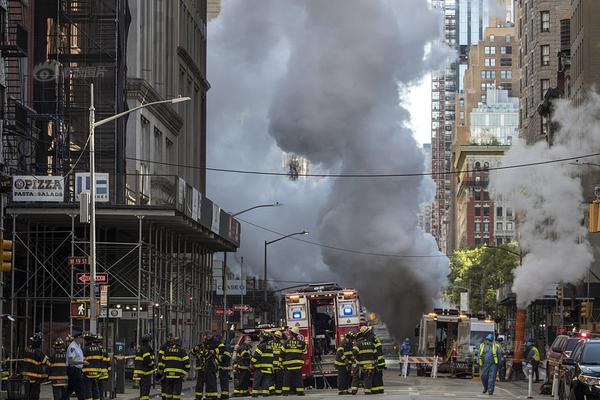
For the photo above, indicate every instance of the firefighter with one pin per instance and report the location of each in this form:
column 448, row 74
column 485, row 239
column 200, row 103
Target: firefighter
column 57, row 373
column 378, row 387
column 365, row 354
column 92, row 354
column 33, row 367
column 262, row 364
column 144, row 366
column 173, row 367
column 211, row 367
column 199, row 352
column 292, row 353
column 223, row 358
column 241, row 367
column 277, row 367
column 344, row 359
column 106, row 367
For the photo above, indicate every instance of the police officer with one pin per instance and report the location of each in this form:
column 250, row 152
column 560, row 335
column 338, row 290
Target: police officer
column 490, row 356
column 262, row 364
column 241, row 367
column 174, row 366
column 57, row 372
column 533, row 358
column 33, row 367
column 344, row 359
column 75, row 363
column 223, row 357
column 365, row 354
column 144, row 366
column 378, row 387
column 292, row 354
column 92, row 354
column 277, row 367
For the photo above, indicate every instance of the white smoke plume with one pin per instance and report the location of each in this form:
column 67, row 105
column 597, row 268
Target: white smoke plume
column 549, row 201
column 325, row 85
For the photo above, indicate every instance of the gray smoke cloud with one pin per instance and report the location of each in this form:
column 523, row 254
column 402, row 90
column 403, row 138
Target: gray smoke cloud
column 326, row 86
column 549, row 202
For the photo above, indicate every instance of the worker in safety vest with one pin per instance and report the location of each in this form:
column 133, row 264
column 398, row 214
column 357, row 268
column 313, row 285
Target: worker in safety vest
column 365, row 354
column 33, row 367
column 344, row 359
column 490, row 356
column 502, row 363
column 144, row 366
column 533, row 358
column 173, row 367
column 292, row 360
column 57, row 372
column 262, row 364
column 241, row 367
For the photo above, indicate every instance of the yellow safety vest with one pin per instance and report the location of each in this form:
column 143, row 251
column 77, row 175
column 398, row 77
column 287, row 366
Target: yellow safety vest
column 536, row 354
column 494, row 353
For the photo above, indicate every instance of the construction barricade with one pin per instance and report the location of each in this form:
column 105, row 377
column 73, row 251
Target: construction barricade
column 433, row 361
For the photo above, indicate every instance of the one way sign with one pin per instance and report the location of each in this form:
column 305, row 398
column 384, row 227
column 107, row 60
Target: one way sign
column 84, row 278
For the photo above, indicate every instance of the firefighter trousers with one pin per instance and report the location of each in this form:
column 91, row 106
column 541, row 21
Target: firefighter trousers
column 145, row 384
column 57, row 392
column 101, row 389
column 263, row 383
column 292, row 382
column 343, row 379
column 242, row 383
column 278, row 378
column 377, row 386
column 32, row 389
column 224, row 383
column 171, row 388
column 364, row 375
column 210, row 385
column 90, row 388
column 200, row 384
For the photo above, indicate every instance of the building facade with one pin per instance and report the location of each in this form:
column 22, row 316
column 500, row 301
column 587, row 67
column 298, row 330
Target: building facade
column 424, row 216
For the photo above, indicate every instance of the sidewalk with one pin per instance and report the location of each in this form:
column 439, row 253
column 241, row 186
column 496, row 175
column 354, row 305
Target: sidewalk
column 131, row 393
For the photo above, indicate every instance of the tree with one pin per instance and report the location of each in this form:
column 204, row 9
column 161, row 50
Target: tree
column 481, row 269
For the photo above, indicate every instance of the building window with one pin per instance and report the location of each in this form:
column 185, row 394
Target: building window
column 462, row 102
column 506, row 50
column 509, row 226
column 477, row 241
column 545, row 49
column 486, row 211
column 477, row 227
column 486, row 227
column 506, row 62
column 509, row 212
column 489, row 50
column 545, row 83
column 499, row 242
column 545, row 21
column 498, row 211
column 505, row 75
column 462, row 115
column 486, row 195
column 498, row 226
column 478, row 211
column 492, row 38
column 507, row 38
column 490, row 62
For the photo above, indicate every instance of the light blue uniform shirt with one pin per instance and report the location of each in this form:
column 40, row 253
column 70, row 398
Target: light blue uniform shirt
column 75, row 352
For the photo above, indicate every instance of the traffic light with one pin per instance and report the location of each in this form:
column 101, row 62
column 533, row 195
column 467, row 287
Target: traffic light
column 594, row 217
column 586, row 309
column 559, row 292
column 6, row 253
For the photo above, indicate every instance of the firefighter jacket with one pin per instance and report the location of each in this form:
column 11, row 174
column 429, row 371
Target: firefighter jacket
column 57, row 368
column 380, row 362
column 144, row 362
column 292, row 354
column 243, row 357
column 365, row 353
column 175, row 363
column 161, row 350
column 263, row 358
column 106, row 367
column 33, row 364
column 93, row 355
column 277, row 361
column 201, row 354
column 223, row 357
column 344, row 356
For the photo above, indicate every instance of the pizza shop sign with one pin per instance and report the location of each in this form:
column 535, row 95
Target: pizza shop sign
column 30, row 188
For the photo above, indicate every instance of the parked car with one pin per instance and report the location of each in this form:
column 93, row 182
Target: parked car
column 580, row 373
column 560, row 349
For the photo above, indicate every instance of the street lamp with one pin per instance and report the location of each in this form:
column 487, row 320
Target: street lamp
column 93, row 125
column 276, row 204
column 265, row 271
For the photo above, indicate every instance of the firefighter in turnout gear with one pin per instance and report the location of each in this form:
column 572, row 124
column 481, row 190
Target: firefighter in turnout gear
column 223, row 357
column 200, row 354
column 211, row 368
column 173, row 367
column 344, row 359
column 57, row 372
column 292, row 355
column 33, row 367
column 92, row 354
column 378, row 387
column 241, row 368
column 262, row 364
column 277, row 367
column 365, row 354
column 144, row 366
column 106, row 367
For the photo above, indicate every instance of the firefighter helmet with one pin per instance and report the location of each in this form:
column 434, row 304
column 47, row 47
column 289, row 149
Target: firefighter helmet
column 58, row 343
column 146, row 338
column 278, row 335
column 36, row 338
column 295, row 330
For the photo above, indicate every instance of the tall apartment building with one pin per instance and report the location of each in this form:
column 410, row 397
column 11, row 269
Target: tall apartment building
column 540, row 24
column 585, row 60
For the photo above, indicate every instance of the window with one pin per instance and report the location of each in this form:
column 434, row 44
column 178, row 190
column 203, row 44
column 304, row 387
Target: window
column 477, row 227
column 498, row 226
column 489, row 50
column 462, row 102
column 509, row 212
column 508, row 38
column 545, row 83
column 499, row 242
column 545, row 49
column 506, row 62
column 492, row 38
column 462, row 115
column 478, row 211
column 505, row 75
column 488, row 74
column 545, row 21
column 506, row 50
column 486, row 195
column 490, row 62
column 498, row 211
column 509, row 226
column 486, row 227
column 486, row 211
column 477, row 241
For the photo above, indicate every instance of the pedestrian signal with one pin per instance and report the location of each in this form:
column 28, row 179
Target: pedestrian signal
column 586, row 309
column 559, row 292
column 6, row 254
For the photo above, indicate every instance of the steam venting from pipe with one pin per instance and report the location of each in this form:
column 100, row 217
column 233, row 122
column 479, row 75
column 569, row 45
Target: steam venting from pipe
column 549, row 201
column 337, row 104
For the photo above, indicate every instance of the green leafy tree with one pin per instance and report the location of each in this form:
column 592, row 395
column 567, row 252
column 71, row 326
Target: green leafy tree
column 481, row 270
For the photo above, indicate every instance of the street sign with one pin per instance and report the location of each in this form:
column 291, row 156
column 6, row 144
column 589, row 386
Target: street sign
column 242, row 307
column 219, row 311
column 84, row 278
column 80, row 310
column 115, row 313
column 83, row 260
column 103, row 295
